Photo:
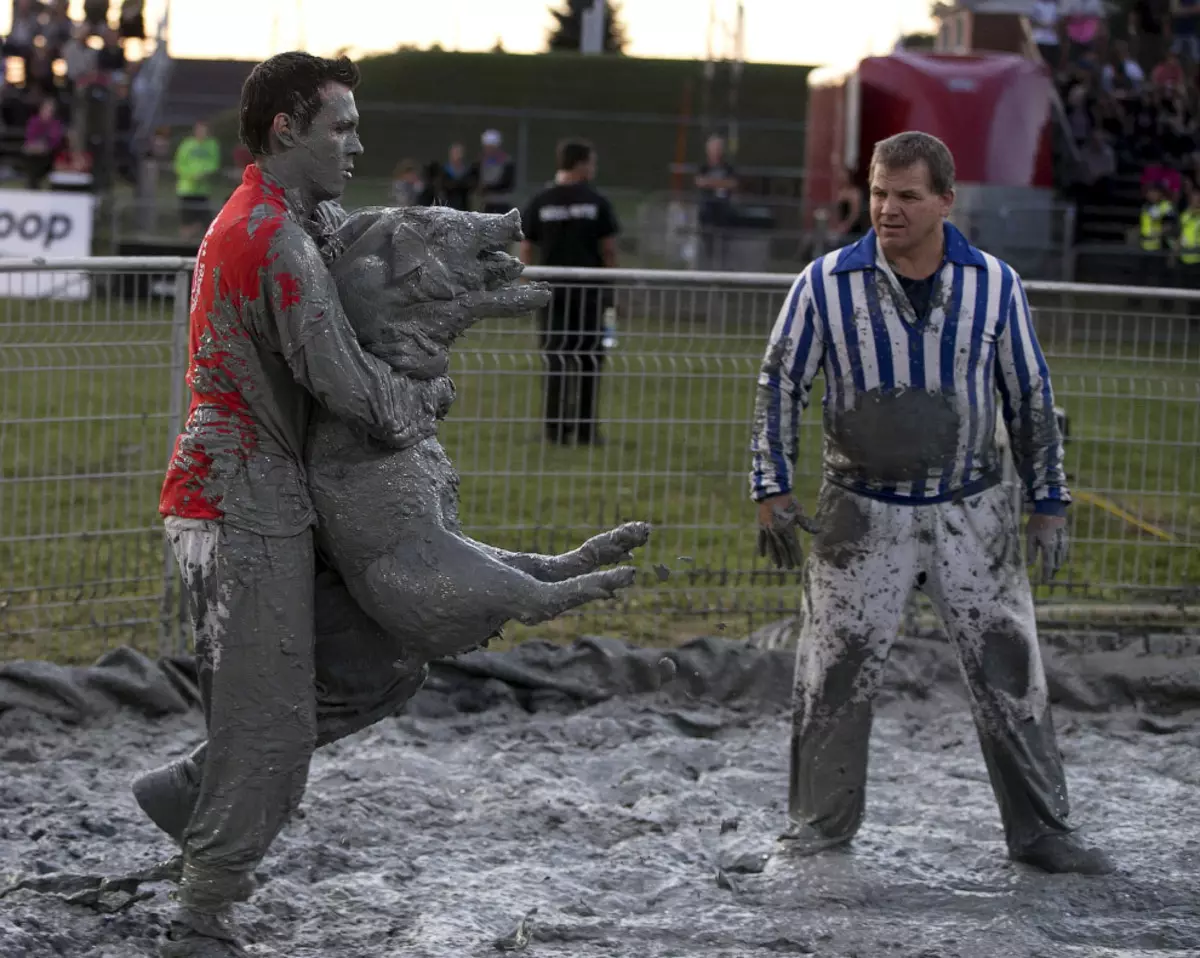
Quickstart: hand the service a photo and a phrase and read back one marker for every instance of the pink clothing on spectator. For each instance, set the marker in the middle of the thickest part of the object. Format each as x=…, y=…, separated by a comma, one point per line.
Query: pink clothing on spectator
x=1082, y=30
x=1155, y=175
x=39, y=129
x=1167, y=74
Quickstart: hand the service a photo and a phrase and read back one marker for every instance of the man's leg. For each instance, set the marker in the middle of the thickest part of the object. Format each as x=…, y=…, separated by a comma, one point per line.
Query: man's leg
x=361, y=676
x=977, y=581
x=590, y=357
x=856, y=582
x=252, y=609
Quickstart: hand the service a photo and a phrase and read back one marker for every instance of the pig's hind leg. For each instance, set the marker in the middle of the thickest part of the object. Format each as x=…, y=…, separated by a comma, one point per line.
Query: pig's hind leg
x=607, y=548
x=446, y=595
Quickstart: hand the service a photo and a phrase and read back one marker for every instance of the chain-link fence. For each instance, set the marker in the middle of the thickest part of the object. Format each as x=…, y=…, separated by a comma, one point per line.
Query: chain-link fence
x=91, y=380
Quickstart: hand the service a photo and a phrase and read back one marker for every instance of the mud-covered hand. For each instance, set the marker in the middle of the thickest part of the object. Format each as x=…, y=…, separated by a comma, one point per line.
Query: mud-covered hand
x=779, y=517
x=1048, y=535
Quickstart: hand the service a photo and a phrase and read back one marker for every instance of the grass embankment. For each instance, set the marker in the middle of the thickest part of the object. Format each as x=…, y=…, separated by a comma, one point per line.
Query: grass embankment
x=85, y=394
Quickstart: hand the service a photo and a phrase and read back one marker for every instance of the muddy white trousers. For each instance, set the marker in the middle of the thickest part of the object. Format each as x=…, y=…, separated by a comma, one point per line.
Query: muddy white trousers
x=287, y=662
x=864, y=563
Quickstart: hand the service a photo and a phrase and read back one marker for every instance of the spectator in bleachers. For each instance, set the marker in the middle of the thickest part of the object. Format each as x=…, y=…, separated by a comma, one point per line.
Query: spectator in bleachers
x=1169, y=74
x=95, y=13
x=24, y=30
x=112, y=55
x=58, y=28
x=44, y=138
x=1156, y=230
x=1098, y=166
x=123, y=128
x=1045, y=27
x=81, y=60
x=72, y=168
x=1185, y=28
x=197, y=161
x=1149, y=28
x=39, y=72
x=1122, y=75
x=1189, y=237
x=1079, y=112
x=407, y=184
x=1085, y=27
x=132, y=23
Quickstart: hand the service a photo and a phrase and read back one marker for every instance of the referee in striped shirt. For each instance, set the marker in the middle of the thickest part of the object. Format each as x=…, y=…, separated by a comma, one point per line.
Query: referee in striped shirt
x=916, y=332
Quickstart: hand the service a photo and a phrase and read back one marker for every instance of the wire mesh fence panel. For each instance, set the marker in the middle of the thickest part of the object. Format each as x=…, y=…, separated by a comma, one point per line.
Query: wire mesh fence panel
x=88, y=404
x=676, y=393
x=92, y=394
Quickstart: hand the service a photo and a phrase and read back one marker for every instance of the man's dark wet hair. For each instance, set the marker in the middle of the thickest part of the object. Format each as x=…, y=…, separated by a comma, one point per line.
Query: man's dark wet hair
x=572, y=153
x=288, y=83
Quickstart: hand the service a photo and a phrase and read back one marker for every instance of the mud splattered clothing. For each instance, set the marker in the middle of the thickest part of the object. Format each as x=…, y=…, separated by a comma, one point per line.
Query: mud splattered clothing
x=864, y=563
x=912, y=498
x=282, y=670
x=267, y=336
x=910, y=410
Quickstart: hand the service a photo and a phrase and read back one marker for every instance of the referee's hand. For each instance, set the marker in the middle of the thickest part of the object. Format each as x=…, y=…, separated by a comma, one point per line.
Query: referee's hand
x=778, y=518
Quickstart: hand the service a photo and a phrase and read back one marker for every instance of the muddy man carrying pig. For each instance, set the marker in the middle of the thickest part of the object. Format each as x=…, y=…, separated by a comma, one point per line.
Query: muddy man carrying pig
x=311, y=510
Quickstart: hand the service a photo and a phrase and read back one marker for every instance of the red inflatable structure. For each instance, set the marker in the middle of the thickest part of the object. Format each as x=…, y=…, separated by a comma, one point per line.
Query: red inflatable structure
x=993, y=110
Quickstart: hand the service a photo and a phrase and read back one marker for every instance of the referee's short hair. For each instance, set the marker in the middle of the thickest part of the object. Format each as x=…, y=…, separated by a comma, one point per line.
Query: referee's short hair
x=903, y=150
x=573, y=153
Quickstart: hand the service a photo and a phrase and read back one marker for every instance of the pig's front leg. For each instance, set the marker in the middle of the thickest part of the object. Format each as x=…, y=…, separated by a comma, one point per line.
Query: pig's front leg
x=607, y=548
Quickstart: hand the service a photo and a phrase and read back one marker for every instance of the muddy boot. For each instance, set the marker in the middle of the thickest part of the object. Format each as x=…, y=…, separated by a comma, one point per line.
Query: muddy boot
x=194, y=934
x=168, y=794
x=803, y=839
x=1062, y=853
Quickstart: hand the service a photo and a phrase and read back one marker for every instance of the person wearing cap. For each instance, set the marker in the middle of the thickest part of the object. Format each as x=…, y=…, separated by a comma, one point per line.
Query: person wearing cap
x=494, y=175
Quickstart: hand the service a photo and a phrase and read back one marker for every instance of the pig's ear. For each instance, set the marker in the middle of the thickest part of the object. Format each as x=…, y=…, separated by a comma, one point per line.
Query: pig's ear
x=362, y=233
x=408, y=254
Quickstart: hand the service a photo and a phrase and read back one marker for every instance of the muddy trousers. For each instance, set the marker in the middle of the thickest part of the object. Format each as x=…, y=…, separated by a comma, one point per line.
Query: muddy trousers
x=966, y=557
x=286, y=661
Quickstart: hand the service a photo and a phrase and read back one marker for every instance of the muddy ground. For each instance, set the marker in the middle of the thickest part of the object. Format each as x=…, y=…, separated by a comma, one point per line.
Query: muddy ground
x=435, y=833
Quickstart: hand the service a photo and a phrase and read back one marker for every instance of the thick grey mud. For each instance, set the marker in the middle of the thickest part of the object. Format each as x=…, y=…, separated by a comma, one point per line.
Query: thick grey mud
x=434, y=834
x=898, y=436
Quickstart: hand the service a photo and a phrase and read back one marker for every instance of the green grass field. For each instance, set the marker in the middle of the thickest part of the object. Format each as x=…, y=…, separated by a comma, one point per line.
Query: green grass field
x=86, y=390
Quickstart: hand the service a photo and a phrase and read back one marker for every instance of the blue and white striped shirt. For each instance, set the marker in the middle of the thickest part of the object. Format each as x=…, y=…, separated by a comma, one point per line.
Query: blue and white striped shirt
x=910, y=401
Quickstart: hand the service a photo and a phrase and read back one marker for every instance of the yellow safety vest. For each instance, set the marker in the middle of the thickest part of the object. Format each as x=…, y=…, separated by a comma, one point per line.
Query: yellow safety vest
x=1152, y=225
x=1189, y=238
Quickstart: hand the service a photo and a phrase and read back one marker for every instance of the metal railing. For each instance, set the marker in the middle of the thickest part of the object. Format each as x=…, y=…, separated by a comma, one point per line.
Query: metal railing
x=92, y=357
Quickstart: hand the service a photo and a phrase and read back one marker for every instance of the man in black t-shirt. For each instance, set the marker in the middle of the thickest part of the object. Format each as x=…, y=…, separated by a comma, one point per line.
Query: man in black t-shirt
x=571, y=224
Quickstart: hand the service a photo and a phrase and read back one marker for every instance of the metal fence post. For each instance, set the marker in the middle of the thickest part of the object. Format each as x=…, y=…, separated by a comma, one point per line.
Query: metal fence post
x=172, y=634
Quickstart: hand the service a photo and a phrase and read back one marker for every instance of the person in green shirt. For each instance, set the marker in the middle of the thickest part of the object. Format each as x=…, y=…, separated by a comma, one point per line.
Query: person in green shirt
x=196, y=161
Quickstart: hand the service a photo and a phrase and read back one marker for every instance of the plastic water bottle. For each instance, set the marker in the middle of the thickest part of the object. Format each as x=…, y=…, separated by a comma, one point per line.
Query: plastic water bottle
x=609, y=341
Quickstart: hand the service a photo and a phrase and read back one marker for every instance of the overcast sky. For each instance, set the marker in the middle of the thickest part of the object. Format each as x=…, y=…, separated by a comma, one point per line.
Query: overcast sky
x=777, y=31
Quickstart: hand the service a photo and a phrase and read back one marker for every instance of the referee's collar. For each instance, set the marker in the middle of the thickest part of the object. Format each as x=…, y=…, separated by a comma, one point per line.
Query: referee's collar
x=861, y=255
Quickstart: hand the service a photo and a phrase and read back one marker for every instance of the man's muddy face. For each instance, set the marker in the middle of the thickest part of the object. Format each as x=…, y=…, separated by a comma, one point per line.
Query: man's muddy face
x=331, y=145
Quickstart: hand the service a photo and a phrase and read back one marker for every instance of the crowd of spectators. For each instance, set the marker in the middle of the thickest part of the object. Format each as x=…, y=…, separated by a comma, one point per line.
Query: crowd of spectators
x=1132, y=100
x=73, y=86
x=487, y=184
